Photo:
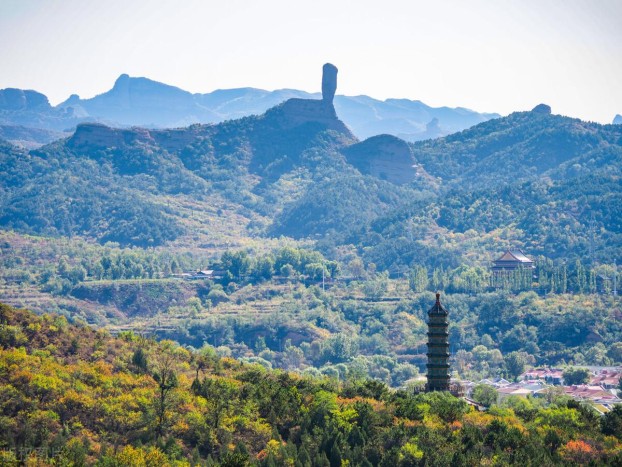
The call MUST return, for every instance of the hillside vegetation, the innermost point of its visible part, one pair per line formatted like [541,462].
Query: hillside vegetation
[548,184]
[319,256]
[328,256]
[291,307]
[545,183]
[72,395]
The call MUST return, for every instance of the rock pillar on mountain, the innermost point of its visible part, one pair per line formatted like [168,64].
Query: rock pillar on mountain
[329,82]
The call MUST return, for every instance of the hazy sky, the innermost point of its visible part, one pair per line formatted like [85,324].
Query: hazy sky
[494,56]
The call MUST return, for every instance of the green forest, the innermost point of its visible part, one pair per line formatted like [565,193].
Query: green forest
[256,292]
[293,308]
[72,395]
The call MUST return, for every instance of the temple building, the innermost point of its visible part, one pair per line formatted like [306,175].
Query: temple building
[438,348]
[513,270]
[511,261]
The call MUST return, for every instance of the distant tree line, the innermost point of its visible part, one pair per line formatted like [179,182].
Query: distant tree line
[547,277]
[286,262]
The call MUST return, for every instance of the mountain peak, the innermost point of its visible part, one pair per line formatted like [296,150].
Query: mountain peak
[141,101]
[617,120]
[542,109]
[20,99]
[383,156]
[122,80]
[296,112]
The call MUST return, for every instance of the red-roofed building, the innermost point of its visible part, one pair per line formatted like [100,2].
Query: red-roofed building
[585,392]
[609,379]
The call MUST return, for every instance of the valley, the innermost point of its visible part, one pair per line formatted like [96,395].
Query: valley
[277,230]
[310,234]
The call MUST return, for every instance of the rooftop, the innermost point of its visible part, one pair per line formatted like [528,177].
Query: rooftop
[515,255]
[438,309]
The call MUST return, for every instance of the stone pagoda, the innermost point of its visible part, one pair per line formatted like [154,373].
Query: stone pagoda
[438,347]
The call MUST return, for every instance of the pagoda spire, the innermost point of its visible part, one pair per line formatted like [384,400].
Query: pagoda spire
[438,347]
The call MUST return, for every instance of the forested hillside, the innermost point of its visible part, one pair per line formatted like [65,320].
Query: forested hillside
[320,251]
[548,184]
[536,180]
[519,147]
[284,278]
[116,185]
[293,308]
[71,395]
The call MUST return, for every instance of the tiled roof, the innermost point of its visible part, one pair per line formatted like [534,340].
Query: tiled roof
[437,309]
[542,373]
[515,255]
[607,378]
[588,392]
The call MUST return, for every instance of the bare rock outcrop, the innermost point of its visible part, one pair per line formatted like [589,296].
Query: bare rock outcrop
[329,82]
[542,109]
[385,157]
[296,112]
[97,136]
[19,99]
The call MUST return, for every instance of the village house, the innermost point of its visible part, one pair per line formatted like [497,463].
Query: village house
[548,375]
[607,378]
[201,274]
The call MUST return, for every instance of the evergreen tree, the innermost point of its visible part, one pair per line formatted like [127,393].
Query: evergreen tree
[304,459]
[335,456]
[139,360]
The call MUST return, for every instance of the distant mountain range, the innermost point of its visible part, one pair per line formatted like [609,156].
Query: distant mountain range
[147,103]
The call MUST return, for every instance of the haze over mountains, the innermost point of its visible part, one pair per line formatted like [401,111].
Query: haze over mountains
[147,103]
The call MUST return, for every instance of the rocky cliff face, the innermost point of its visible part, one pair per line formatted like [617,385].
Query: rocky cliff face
[542,109]
[297,112]
[385,157]
[97,136]
[19,99]
[329,82]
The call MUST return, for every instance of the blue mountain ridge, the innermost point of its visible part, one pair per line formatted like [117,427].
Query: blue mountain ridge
[136,101]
